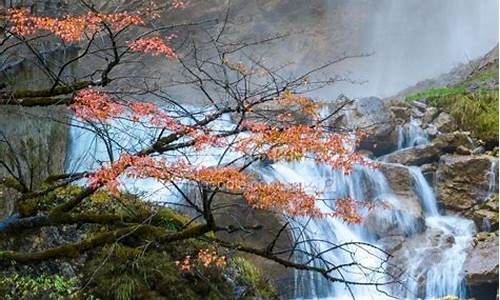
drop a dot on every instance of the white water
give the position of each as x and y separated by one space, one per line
445 239
439 254
411 135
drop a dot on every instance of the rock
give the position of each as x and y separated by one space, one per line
429 115
462 150
444 122
372 116
429 153
401 112
391 244
417 113
421 106
463 181
431 130
481 265
449 142
366 153
401 182
449 297
415 156
429 172
485 215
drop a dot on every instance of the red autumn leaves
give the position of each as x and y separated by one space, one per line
288 143
292 143
75 28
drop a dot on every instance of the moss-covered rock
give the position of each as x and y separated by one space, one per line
134 266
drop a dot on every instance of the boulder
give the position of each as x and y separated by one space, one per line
392 243
479 150
431 131
415 156
429 172
464 181
481 265
449 142
462 150
373 116
429 115
444 122
485 215
421 106
429 153
402 113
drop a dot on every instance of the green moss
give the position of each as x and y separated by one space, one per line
251 277
123 272
41 286
436 93
475 110
170 219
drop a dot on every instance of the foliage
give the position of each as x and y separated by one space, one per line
436 93
123 272
252 278
472 103
43 286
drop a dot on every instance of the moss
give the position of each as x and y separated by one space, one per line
122 272
41 286
436 93
170 219
476 112
251 277
473 103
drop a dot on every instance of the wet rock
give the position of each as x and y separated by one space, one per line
485 215
429 115
417 113
462 150
429 153
373 116
421 106
481 265
444 122
401 182
416 156
463 181
429 172
431 131
401 112
449 142
391 244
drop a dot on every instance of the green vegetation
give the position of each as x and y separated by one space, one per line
436 93
473 103
251 277
43 286
135 266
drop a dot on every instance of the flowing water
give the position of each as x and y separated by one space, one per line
445 239
407 38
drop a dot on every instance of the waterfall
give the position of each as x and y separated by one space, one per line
336 185
411 135
444 241
424 191
439 254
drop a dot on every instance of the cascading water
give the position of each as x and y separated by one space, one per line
411 135
439 253
445 239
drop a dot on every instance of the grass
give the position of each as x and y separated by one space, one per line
436 93
475 111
